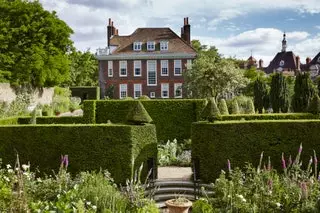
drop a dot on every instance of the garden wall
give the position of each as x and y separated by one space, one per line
90 147
172 118
243 141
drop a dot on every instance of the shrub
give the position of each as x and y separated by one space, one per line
90 147
138 114
211 111
270 116
144 97
47 110
314 106
202 206
235 107
173 153
250 107
223 108
172 118
89 112
242 141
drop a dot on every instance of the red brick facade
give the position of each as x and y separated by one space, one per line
130 79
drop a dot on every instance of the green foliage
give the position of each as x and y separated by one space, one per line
61 99
144 97
211 111
138 114
223 108
89 112
53 120
303 92
260 93
279 93
262 189
172 153
314 106
90 147
269 116
84 69
34 43
212 76
47 110
235 107
172 118
202 206
250 107
243 141
109 92
9 121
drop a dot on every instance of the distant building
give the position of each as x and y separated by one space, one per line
285 61
149 62
314 65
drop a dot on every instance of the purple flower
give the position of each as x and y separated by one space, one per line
269 183
229 165
319 177
300 149
283 162
66 161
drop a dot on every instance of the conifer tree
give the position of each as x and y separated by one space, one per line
279 94
260 93
211 111
250 107
314 106
235 107
303 92
223 108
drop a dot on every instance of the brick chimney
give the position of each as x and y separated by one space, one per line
298 62
111 30
116 32
308 60
260 63
186 30
182 33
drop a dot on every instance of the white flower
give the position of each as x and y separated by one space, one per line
278 205
94 207
25 167
88 203
244 200
8 166
6 178
10 170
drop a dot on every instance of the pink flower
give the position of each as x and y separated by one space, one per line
229 165
283 162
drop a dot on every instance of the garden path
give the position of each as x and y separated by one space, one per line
172 172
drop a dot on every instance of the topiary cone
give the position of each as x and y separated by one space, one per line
222 105
211 111
138 114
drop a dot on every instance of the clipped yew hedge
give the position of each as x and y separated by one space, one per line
90 147
9 121
243 141
172 118
89 112
53 120
271 116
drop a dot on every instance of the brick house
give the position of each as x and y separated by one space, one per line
149 62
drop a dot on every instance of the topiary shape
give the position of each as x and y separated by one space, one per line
223 108
250 107
211 111
235 107
314 106
138 114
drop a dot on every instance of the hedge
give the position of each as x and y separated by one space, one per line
243 141
53 120
86 93
89 112
271 116
172 118
9 121
90 147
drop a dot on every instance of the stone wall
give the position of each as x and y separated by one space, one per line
7 94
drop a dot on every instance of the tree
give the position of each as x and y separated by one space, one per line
84 69
33 44
303 92
260 93
279 94
198 46
212 76
314 106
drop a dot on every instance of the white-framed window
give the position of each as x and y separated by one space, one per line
137 46
189 64
151 45
164 45
177 67
164 68
152 72
110 68
137 68
152 94
123 68
123 91
137 90
165 90
178 90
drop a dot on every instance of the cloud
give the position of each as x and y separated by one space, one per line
317 27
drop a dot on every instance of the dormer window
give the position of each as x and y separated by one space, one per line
164 45
137 46
151 45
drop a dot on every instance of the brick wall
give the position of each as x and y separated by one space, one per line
130 79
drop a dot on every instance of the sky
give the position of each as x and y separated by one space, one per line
235 27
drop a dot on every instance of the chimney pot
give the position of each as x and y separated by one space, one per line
109 21
298 62
308 60
112 24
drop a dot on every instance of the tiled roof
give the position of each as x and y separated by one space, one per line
125 43
288 58
315 60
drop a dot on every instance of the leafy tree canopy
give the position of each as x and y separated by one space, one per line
212 76
33 44
84 69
